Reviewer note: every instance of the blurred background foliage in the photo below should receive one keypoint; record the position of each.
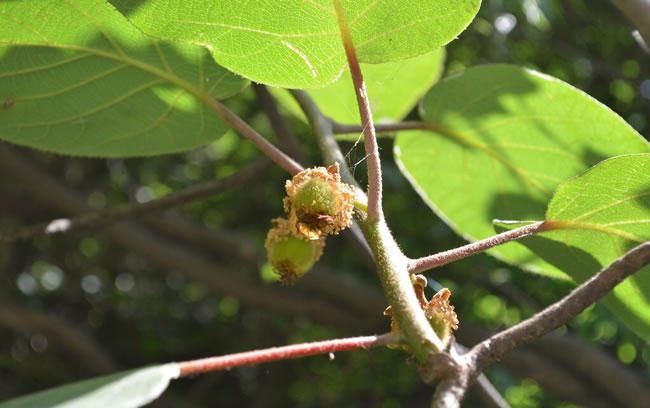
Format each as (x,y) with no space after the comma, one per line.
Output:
(133,311)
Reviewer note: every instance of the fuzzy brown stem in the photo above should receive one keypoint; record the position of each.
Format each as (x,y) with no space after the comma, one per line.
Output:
(443,258)
(205,365)
(370,139)
(273,153)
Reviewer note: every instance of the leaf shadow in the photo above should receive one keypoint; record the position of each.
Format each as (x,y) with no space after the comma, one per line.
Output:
(575,262)
(127,7)
(504,87)
(513,206)
(102,104)
(579,264)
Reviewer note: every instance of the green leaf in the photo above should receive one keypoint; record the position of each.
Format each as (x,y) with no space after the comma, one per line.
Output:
(296,43)
(393,88)
(128,389)
(77,78)
(597,217)
(503,138)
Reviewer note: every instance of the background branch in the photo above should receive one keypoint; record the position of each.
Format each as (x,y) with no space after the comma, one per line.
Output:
(96,218)
(324,133)
(168,255)
(322,128)
(347,291)
(483,388)
(638,12)
(283,133)
(488,394)
(562,311)
(571,369)
(272,152)
(62,332)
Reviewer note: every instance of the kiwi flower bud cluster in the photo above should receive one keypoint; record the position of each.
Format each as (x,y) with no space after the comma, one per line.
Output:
(317,204)
(438,311)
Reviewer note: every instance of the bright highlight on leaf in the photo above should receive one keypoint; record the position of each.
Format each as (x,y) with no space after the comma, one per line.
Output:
(504,138)
(128,389)
(599,216)
(77,78)
(296,43)
(394,88)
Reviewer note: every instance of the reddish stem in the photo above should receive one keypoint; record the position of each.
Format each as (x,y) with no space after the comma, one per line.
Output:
(443,258)
(370,139)
(283,353)
(275,154)
(385,127)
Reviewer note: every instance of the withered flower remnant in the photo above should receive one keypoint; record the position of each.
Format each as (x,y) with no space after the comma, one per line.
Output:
(318,203)
(291,256)
(438,311)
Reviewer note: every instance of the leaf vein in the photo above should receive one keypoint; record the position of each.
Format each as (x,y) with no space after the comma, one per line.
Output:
(81,116)
(75,85)
(44,67)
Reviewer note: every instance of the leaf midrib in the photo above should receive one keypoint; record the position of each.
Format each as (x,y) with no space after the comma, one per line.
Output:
(573,225)
(168,77)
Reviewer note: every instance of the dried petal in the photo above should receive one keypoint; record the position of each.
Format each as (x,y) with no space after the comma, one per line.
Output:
(291,256)
(318,203)
(439,312)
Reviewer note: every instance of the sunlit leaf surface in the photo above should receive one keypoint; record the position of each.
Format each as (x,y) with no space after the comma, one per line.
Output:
(296,43)
(599,216)
(394,88)
(504,137)
(77,78)
(129,389)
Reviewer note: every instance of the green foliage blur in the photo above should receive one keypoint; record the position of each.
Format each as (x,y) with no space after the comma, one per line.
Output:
(140,314)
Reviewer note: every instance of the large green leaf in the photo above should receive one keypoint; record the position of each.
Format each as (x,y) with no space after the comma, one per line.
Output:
(77,78)
(504,137)
(597,217)
(394,88)
(129,389)
(296,43)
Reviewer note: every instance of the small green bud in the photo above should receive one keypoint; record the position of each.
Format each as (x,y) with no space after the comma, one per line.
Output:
(291,256)
(318,203)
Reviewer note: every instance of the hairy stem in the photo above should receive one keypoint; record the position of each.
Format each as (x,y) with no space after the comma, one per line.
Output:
(563,310)
(340,128)
(451,389)
(397,284)
(443,258)
(205,365)
(275,154)
(392,265)
(370,139)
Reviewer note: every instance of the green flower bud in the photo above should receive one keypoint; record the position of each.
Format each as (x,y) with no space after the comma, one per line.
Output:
(318,203)
(291,256)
